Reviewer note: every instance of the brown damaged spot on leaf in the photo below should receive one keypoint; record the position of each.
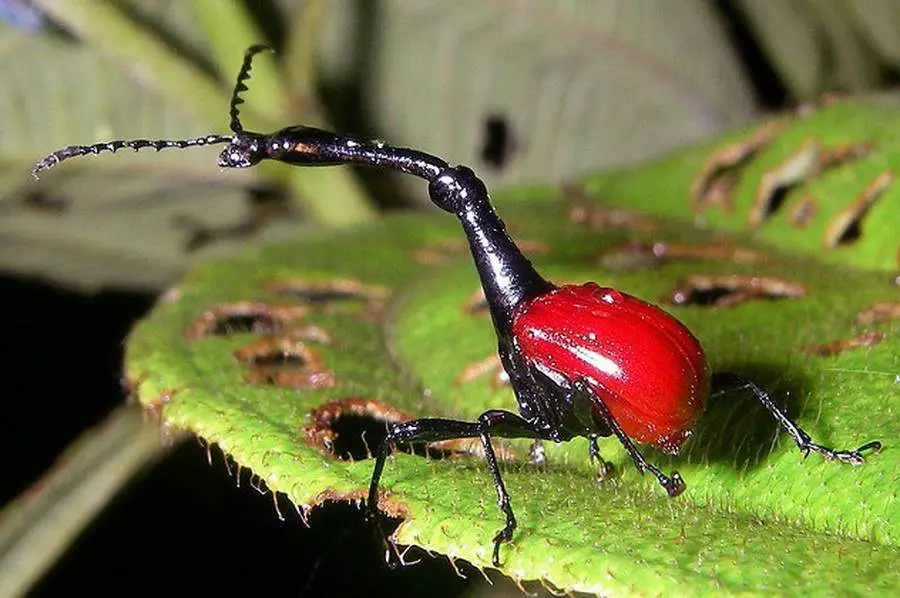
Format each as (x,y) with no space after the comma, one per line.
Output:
(476,304)
(386,503)
(286,362)
(153,408)
(803,212)
(368,420)
(629,256)
(585,212)
(322,433)
(866,339)
(490,365)
(806,163)
(731,289)
(326,291)
(881,312)
(775,183)
(842,154)
(308,332)
(714,184)
(244,316)
(846,226)
(439,252)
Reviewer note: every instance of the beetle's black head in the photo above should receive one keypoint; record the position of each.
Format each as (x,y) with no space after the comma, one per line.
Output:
(244,150)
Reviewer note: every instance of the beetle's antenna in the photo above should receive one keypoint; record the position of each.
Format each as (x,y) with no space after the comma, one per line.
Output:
(243,75)
(74,151)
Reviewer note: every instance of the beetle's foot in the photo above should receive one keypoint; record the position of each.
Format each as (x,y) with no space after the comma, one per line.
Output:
(505,535)
(850,457)
(674,485)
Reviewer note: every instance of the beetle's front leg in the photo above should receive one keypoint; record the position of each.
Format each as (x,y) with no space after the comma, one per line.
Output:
(502,424)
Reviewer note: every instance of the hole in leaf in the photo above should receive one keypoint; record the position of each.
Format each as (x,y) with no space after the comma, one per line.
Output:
(243,317)
(714,184)
(777,182)
(731,290)
(806,163)
(355,437)
(285,362)
(499,142)
(842,154)
(845,227)
(353,428)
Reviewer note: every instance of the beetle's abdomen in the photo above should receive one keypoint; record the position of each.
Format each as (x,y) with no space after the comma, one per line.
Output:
(647,366)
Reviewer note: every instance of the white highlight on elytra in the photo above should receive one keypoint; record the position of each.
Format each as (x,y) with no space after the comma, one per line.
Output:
(596,360)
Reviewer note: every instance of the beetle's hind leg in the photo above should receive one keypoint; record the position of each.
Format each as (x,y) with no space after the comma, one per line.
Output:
(674,484)
(803,440)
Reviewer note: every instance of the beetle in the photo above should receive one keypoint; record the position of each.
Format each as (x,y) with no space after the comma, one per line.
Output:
(582,360)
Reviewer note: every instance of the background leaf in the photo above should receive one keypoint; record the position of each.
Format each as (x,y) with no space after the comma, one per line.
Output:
(579,85)
(819,46)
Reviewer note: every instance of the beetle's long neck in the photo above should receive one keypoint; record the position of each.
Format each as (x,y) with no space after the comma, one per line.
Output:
(507,276)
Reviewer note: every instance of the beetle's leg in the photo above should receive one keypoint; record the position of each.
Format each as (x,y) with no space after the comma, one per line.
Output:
(673,484)
(604,467)
(498,423)
(803,440)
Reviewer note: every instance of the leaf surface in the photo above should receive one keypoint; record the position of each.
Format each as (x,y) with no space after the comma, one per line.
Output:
(755,517)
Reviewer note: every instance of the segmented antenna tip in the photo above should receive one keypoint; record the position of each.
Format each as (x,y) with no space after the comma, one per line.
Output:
(243,75)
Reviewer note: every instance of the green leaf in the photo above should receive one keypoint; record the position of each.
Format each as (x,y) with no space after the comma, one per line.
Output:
(802,190)
(755,517)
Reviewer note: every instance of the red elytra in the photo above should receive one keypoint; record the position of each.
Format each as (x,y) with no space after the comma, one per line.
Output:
(647,366)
